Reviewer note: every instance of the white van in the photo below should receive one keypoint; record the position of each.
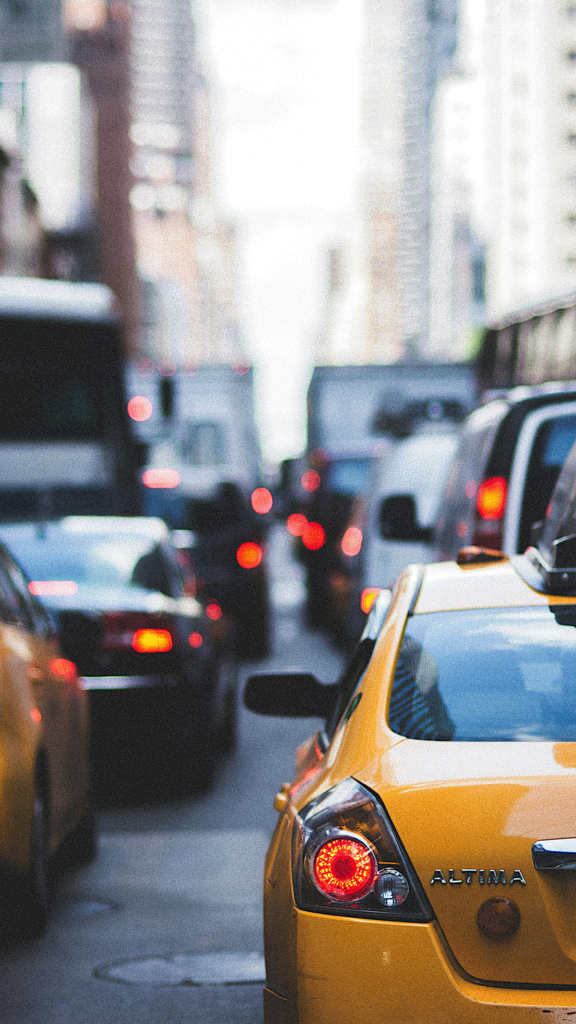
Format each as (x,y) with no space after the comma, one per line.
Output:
(403,503)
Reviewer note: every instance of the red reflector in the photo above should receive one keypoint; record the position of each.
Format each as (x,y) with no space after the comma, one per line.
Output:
(344,868)
(139,408)
(491,498)
(64,669)
(352,541)
(249,555)
(296,523)
(313,536)
(152,641)
(214,611)
(310,481)
(161,478)
(261,500)
(367,598)
(53,588)
(195,640)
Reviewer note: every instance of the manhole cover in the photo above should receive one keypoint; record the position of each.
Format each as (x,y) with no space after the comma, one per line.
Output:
(188,969)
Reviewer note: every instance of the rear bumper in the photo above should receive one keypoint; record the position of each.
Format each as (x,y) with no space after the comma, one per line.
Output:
(366,972)
(127,682)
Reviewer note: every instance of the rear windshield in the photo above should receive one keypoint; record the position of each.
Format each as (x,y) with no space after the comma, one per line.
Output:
(497,674)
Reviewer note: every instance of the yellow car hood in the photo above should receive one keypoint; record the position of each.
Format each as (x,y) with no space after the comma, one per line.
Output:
(468,815)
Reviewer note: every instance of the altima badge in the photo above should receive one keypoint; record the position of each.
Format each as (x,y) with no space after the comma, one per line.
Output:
(481,875)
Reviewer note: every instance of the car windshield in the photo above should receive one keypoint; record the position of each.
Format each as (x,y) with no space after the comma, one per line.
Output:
(497,674)
(349,476)
(102,561)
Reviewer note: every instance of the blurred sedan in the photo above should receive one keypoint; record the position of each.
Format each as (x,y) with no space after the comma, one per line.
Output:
(163,692)
(44,757)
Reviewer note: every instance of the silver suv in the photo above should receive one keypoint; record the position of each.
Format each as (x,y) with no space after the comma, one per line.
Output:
(505,468)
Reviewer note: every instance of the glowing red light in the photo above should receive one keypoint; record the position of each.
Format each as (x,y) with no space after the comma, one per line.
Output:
(241,368)
(318,457)
(344,868)
(313,536)
(53,588)
(261,500)
(249,555)
(195,640)
(295,524)
(491,498)
(367,598)
(152,641)
(35,715)
(214,611)
(352,541)
(139,408)
(64,669)
(166,368)
(310,481)
(161,478)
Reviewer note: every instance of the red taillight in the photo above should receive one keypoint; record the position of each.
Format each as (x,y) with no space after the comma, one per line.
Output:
(295,524)
(64,669)
(137,631)
(261,500)
(249,555)
(152,641)
(310,481)
(313,536)
(352,541)
(139,408)
(367,598)
(214,611)
(491,498)
(53,588)
(344,868)
(195,640)
(161,478)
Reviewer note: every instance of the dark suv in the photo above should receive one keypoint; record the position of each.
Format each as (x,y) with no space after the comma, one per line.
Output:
(505,468)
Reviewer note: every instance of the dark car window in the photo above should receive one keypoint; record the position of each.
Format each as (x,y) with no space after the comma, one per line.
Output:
(17,603)
(487,674)
(552,443)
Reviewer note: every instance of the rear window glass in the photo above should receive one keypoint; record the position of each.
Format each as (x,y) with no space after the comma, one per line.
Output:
(552,443)
(497,674)
(349,476)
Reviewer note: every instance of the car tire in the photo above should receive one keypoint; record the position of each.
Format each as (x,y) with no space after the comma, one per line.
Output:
(26,898)
(228,733)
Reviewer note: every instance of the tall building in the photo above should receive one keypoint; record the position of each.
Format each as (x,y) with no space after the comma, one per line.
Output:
(529,74)
(186,256)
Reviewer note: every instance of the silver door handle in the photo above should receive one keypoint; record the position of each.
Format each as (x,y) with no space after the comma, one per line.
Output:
(554,855)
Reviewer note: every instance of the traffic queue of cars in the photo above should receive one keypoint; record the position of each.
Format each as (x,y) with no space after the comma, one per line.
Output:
(422,866)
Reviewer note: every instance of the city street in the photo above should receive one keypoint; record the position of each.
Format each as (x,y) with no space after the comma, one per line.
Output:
(165,926)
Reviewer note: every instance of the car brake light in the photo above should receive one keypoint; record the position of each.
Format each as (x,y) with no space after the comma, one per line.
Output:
(261,500)
(195,640)
(64,669)
(310,481)
(152,641)
(348,859)
(491,498)
(352,541)
(344,868)
(249,555)
(295,524)
(313,536)
(213,611)
(156,478)
(139,631)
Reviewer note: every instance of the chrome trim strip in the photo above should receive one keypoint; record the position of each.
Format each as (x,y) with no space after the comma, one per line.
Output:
(554,855)
(126,682)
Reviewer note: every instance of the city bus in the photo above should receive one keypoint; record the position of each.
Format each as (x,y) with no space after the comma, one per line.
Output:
(66,445)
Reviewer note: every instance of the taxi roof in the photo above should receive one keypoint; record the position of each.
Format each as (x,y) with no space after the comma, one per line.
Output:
(447,586)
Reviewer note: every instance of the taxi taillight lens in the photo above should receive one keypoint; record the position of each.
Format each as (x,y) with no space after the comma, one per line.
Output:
(348,860)
(344,868)
(152,641)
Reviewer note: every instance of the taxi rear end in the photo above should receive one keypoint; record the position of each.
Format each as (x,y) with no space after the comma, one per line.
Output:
(424,867)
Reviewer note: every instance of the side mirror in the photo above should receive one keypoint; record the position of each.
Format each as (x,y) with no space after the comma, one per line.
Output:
(289,694)
(397,520)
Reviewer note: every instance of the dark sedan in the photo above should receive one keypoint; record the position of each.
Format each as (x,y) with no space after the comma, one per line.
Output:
(162,688)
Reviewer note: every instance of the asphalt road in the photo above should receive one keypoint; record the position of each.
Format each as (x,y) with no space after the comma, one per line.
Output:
(165,926)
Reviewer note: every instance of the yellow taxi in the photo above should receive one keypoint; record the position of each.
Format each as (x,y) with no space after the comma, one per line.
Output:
(44,757)
(423,867)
